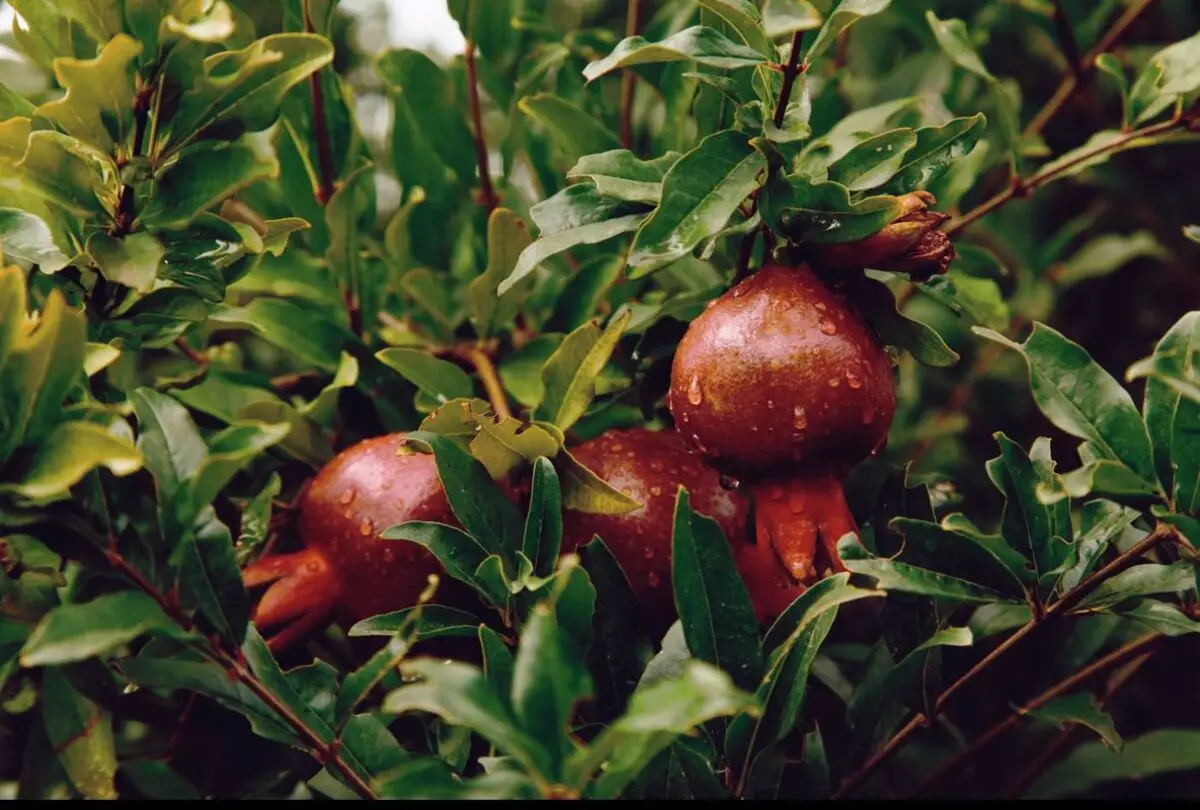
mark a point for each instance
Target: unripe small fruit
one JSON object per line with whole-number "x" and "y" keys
{"x": 781, "y": 383}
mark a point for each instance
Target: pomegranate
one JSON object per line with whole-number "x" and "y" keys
{"x": 650, "y": 466}
{"x": 780, "y": 383}
{"x": 346, "y": 571}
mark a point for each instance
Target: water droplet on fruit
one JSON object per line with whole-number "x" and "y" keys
{"x": 347, "y": 496}
{"x": 801, "y": 420}
{"x": 655, "y": 580}
{"x": 770, "y": 404}
{"x": 834, "y": 382}
{"x": 853, "y": 380}
{"x": 729, "y": 483}
{"x": 641, "y": 530}
{"x": 649, "y": 553}
{"x": 694, "y": 394}
{"x": 388, "y": 554}
{"x": 754, "y": 428}
{"x": 627, "y": 492}
{"x": 739, "y": 291}
{"x": 868, "y": 417}
{"x": 711, "y": 304}
{"x": 366, "y": 527}
{"x": 821, "y": 305}
{"x": 796, "y": 503}
{"x": 655, "y": 491}
{"x": 617, "y": 447}
{"x": 828, "y": 327}
{"x": 656, "y": 465}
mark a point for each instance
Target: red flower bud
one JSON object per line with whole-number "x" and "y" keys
{"x": 911, "y": 243}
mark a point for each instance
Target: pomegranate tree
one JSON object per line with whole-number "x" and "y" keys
{"x": 781, "y": 384}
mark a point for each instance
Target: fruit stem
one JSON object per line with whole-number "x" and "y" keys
{"x": 490, "y": 379}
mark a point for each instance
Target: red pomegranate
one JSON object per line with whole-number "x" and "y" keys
{"x": 346, "y": 571}
{"x": 780, "y": 383}
{"x": 650, "y": 466}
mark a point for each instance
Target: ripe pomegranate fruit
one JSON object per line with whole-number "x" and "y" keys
{"x": 346, "y": 572}
{"x": 649, "y": 466}
{"x": 781, "y": 383}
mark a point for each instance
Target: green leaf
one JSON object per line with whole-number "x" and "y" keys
{"x": 228, "y": 453}
{"x": 1162, "y": 618}
{"x": 824, "y": 595}
{"x": 1040, "y": 532}
{"x": 874, "y": 161}
{"x": 822, "y": 213}
{"x": 209, "y": 577}
{"x": 489, "y": 311}
{"x": 204, "y": 175}
{"x": 1082, "y": 399}
{"x": 896, "y": 329}
{"x": 359, "y": 683}
{"x": 700, "y": 192}
{"x": 843, "y": 16}
{"x": 437, "y": 378}
{"x": 584, "y": 491}
{"x": 1141, "y": 580}
{"x": 61, "y": 459}
{"x": 710, "y": 597}
{"x": 744, "y": 18}
{"x": 620, "y": 175}
{"x": 169, "y": 441}
{"x": 783, "y": 18}
{"x": 1106, "y": 254}
{"x": 459, "y": 694}
{"x": 543, "y": 523}
{"x": 575, "y": 132}
{"x": 1101, "y": 523}
{"x": 937, "y": 148}
{"x": 702, "y": 45}
{"x": 296, "y": 326}
{"x": 480, "y": 507}
{"x": 905, "y": 578}
{"x": 580, "y": 299}
{"x": 72, "y": 633}
{"x": 157, "y": 780}
{"x": 459, "y": 553}
{"x": 569, "y": 375}
{"x": 241, "y": 91}
{"x": 577, "y": 215}
{"x": 1169, "y": 75}
{"x": 1081, "y": 709}
{"x": 548, "y": 680}
{"x": 26, "y": 238}
{"x": 131, "y": 260}
{"x": 504, "y": 445}
{"x": 418, "y": 778}
{"x": 962, "y": 553}
{"x": 656, "y": 716}
{"x": 428, "y": 621}
{"x": 1094, "y": 763}
{"x": 81, "y": 734}
{"x": 98, "y": 105}
{"x": 1170, "y": 418}
{"x": 620, "y": 648}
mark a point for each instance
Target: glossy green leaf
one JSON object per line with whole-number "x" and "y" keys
{"x": 936, "y": 149}
{"x": 710, "y": 597}
{"x": 508, "y": 237}
{"x": 543, "y": 524}
{"x": 460, "y": 554}
{"x": 76, "y": 632}
{"x": 1101, "y": 523}
{"x": 575, "y": 131}
{"x": 744, "y": 18}
{"x": 1108, "y": 64}
{"x": 303, "y": 329}
{"x": 63, "y": 457}
{"x": 905, "y": 578}
{"x": 620, "y": 175}
{"x": 699, "y": 44}
{"x": 874, "y": 161}
{"x": 1082, "y": 399}
{"x": 26, "y": 238}
{"x": 844, "y": 15}
{"x": 584, "y": 491}
{"x": 81, "y": 734}
{"x": 98, "y": 105}
{"x": 823, "y": 213}
{"x": 896, "y": 329}
{"x": 429, "y": 621}
{"x": 438, "y": 378}
{"x": 1094, "y": 763}
{"x": 1141, "y": 580}
{"x": 168, "y": 439}
{"x": 204, "y": 176}
{"x": 503, "y": 446}
{"x": 960, "y": 552}
{"x": 1039, "y": 531}
{"x": 569, "y": 375}
{"x": 1170, "y": 418}
{"x": 209, "y": 577}
{"x": 783, "y": 18}
{"x": 132, "y": 260}
{"x": 700, "y": 193}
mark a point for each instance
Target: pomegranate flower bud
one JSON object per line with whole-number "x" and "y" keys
{"x": 911, "y": 243}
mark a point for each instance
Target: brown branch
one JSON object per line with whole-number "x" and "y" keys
{"x": 1022, "y": 188}
{"x": 126, "y": 213}
{"x": 191, "y": 354}
{"x": 488, "y": 376}
{"x": 1066, "y": 40}
{"x": 1027, "y": 777}
{"x": 628, "y": 77}
{"x": 1086, "y": 66}
{"x": 487, "y": 194}
{"x": 1161, "y": 533}
{"x": 790, "y": 73}
{"x": 1134, "y": 649}
{"x": 325, "y": 187}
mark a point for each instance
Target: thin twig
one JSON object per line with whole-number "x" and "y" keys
{"x": 126, "y": 213}
{"x": 790, "y": 73}
{"x": 1162, "y": 533}
{"x": 1087, "y": 66}
{"x": 191, "y": 354}
{"x": 325, "y": 187}
{"x": 1039, "y": 764}
{"x": 487, "y": 193}
{"x": 628, "y": 77}
{"x": 1141, "y": 646}
{"x": 488, "y": 376}
{"x": 1022, "y": 188}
